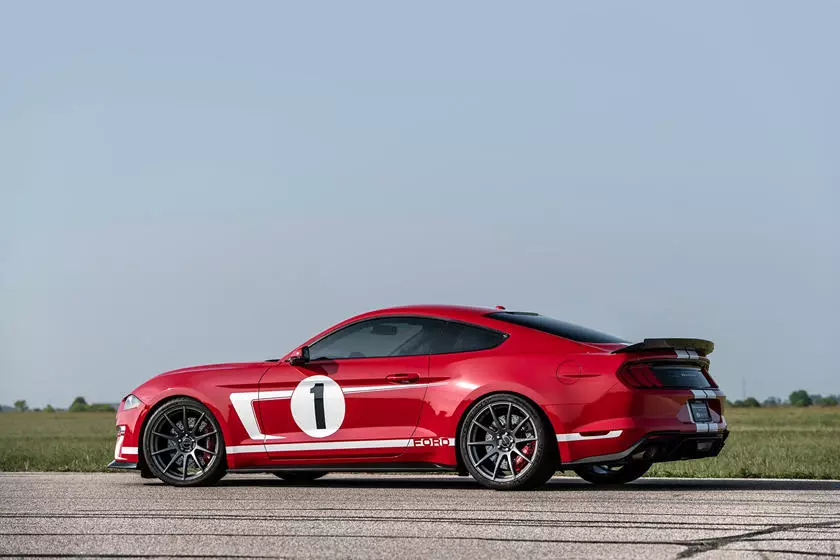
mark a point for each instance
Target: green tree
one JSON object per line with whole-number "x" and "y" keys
{"x": 49, "y": 408}
{"x": 772, "y": 401}
{"x": 20, "y": 406}
{"x": 751, "y": 402}
{"x": 831, "y": 400}
{"x": 79, "y": 405}
{"x": 800, "y": 398}
{"x": 101, "y": 407}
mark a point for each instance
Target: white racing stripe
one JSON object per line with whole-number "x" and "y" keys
{"x": 332, "y": 445}
{"x": 706, "y": 393}
{"x": 329, "y": 445}
{"x": 580, "y": 437}
{"x": 243, "y": 404}
{"x": 392, "y": 387}
{"x": 238, "y": 449}
{"x": 710, "y": 427}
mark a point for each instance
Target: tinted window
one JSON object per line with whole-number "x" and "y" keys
{"x": 555, "y": 327}
{"x": 376, "y": 338}
{"x": 457, "y": 337}
{"x": 681, "y": 376}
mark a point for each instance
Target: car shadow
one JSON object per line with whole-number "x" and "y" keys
{"x": 451, "y": 482}
{"x": 706, "y": 484}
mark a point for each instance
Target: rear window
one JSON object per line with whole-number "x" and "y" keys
{"x": 555, "y": 327}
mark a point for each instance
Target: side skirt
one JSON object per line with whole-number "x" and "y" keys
{"x": 122, "y": 465}
{"x": 351, "y": 467}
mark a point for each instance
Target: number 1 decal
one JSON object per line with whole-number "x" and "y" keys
{"x": 318, "y": 406}
{"x": 318, "y": 391}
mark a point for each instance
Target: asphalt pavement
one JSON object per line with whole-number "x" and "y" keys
{"x": 402, "y": 516}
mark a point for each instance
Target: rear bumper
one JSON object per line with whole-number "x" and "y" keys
{"x": 623, "y": 418}
{"x": 664, "y": 446}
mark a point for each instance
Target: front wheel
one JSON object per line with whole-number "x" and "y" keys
{"x": 506, "y": 445}
{"x": 183, "y": 445}
{"x": 299, "y": 477}
{"x": 613, "y": 474}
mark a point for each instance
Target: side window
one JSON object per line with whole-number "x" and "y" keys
{"x": 376, "y": 338}
{"x": 458, "y": 337}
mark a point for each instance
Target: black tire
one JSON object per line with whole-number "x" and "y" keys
{"x": 299, "y": 477}
{"x": 183, "y": 444}
{"x": 612, "y": 474}
{"x": 508, "y": 431}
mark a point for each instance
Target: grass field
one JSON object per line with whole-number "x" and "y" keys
{"x": 771, "y": 443}
{"x": 57, "y": 441}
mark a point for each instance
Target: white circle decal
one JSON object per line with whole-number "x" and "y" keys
{"x": 318, "y": 406}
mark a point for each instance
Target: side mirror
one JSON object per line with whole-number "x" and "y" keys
{"x": 301, "y": 357}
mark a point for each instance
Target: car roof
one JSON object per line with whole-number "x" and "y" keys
{"x": 456, "y": 312}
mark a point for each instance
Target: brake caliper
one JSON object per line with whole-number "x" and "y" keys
{"x": 519, "y": 463}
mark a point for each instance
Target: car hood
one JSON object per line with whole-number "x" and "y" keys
{"x": 217, "y": 367}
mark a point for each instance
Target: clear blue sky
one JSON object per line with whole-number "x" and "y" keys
{"x": 184, "y": 183}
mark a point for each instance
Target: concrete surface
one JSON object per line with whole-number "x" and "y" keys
{"x": 401, "y": 516}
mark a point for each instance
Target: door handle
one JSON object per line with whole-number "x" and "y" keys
{"x": 403, "y": 378}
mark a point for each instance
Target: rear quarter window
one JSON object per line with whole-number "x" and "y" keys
{"x": 459, "y": 337}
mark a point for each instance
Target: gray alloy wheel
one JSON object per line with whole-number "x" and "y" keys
{"x": 506, "y": 445}
{"x": 183, "y": 445}
{"x": 613, "y": 474}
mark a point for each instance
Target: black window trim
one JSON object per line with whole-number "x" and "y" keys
{"x": 504, "y": 337}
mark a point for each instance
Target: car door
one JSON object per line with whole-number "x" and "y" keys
{"x": 359, "y": 395}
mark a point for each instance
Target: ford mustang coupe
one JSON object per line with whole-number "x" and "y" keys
{"x": 507, "y": 397}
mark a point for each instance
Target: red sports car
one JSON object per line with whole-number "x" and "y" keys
{"x": 507, "y": 397}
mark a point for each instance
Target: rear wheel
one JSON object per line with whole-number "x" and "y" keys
{"x": 506, "y": 444}
{"x": 613, "y": 474}
{"x": 183, "y": 445}
{"x": 300, "y": 477}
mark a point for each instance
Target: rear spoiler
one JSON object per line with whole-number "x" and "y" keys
{"x": 702, "y": 347}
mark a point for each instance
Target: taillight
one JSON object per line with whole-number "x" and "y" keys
{"x": 666, "y": 374}
{"x": 639, "y": 376}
